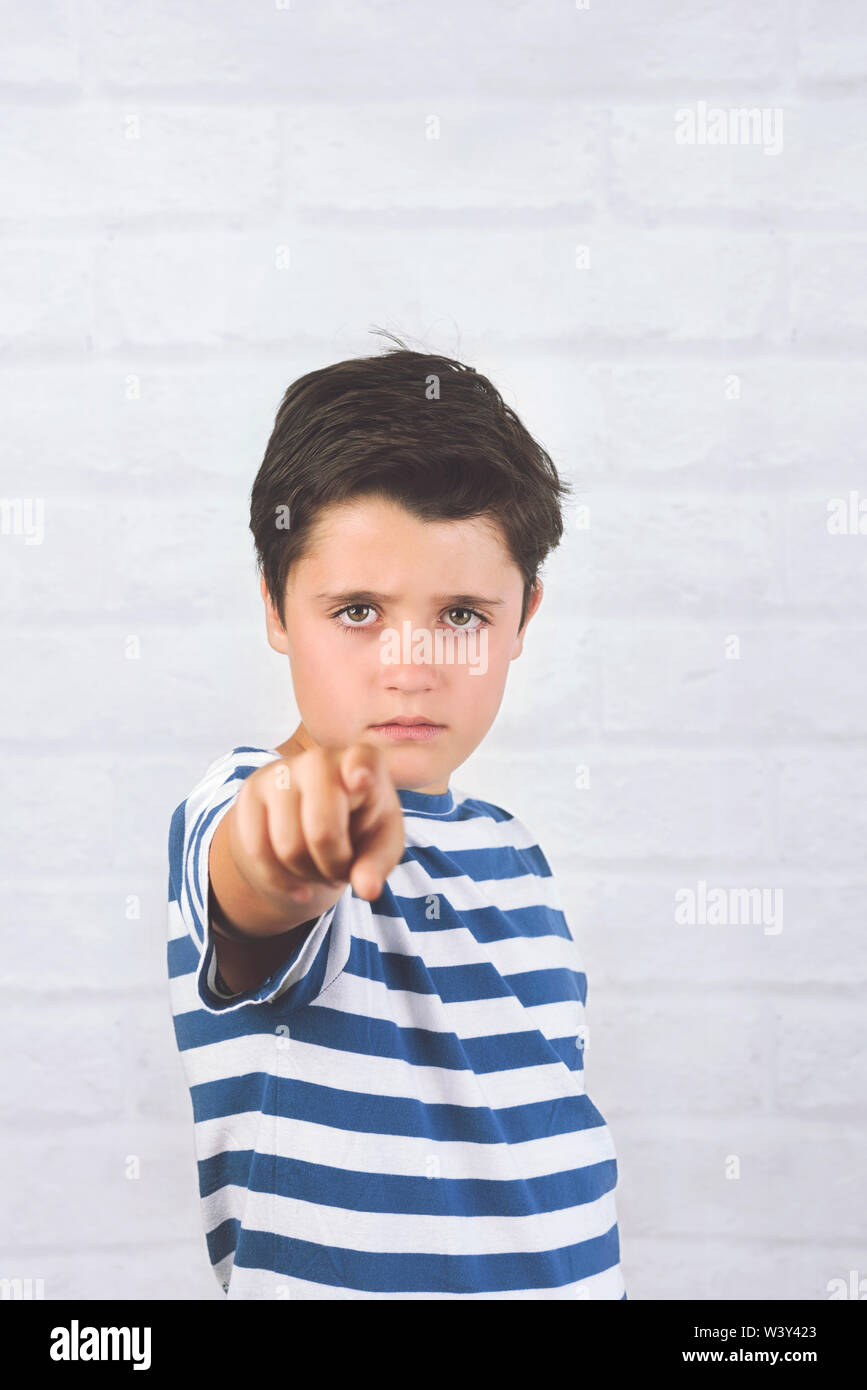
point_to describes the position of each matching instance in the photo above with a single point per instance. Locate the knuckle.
(246, 797)
(287, 848)
(273, 880)
(365, 755)
(247, 839)
(282, 777)
(323, 834)
(245, 823)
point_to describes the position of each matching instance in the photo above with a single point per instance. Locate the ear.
(535, 600)
(276, 632)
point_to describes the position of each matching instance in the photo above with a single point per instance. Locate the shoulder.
(503, 831)
(209, 795)
(238, 763)
(470, 806)
(231, 767)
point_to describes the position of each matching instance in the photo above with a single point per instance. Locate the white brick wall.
(153, 159)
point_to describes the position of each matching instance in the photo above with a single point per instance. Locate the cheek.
(316, 658)
(482, 682)
(336, 663)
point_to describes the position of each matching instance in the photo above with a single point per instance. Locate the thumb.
(366, 879)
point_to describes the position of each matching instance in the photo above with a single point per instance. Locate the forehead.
(379, 531)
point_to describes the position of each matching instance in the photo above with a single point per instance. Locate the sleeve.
(536, 858)
(526, 845)
(321, 953)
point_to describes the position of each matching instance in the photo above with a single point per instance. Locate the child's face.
(387, 568)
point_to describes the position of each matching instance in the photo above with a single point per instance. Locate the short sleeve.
(322, 952)
(525, 844)
(549, 890)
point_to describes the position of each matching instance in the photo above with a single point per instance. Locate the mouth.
(404, 727)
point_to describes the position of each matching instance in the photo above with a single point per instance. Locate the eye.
(483, 622)
(352, 608)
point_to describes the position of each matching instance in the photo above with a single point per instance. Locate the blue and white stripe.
(399, 1109)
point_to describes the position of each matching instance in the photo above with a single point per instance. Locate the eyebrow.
(369, 596)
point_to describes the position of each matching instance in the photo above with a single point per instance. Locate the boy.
(376, 996)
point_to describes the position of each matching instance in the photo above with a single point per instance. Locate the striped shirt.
(398, 1110)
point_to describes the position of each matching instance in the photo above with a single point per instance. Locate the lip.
(408, 728)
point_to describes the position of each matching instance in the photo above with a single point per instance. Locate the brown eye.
(348, 623)
(471, 613)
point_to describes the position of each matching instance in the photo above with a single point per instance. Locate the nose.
(408, 659)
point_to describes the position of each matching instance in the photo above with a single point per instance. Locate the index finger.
(375, 826)
(360, 768)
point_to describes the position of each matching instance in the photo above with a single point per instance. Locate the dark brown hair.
(424, 430)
